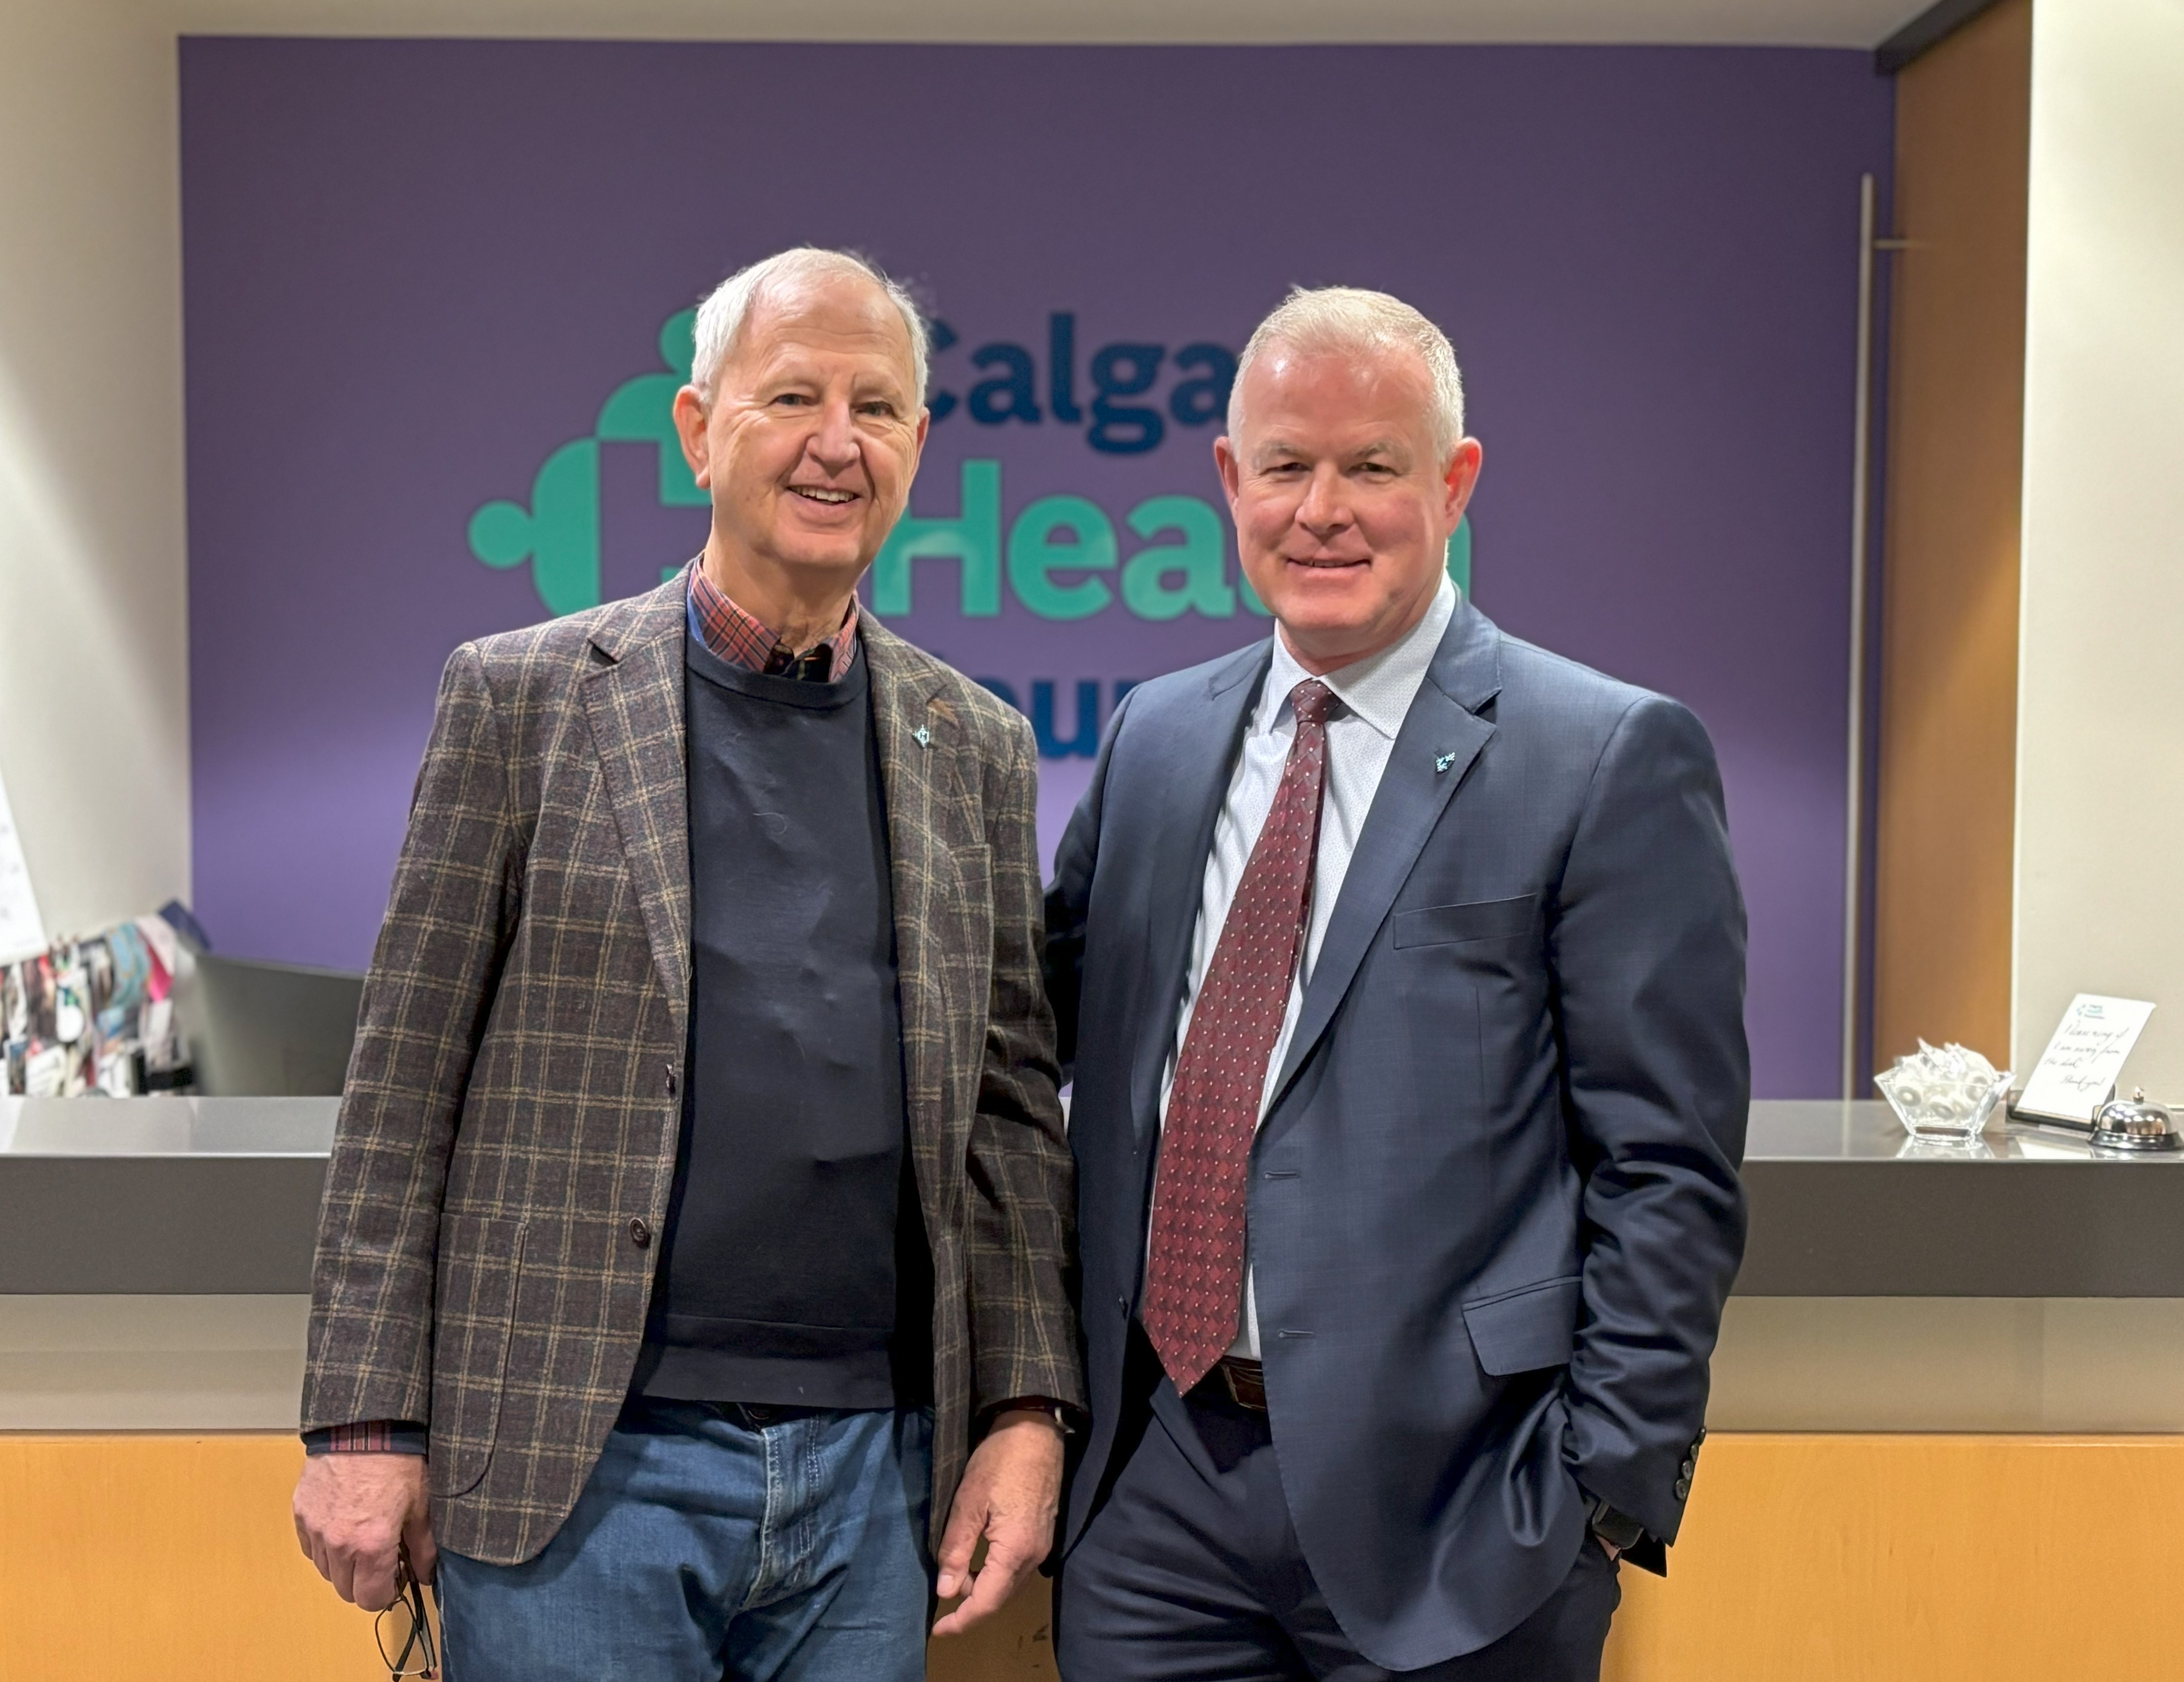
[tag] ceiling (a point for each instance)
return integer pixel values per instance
(1783, 23)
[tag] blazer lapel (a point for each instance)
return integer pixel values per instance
(634, 701)
(1191, 768)
(1440, 736)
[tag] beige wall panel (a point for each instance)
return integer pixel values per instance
(151, 1363)
(1949, 575)
(2100, 821)
(1936, 1363)
(94, 695)
(1897, 1363)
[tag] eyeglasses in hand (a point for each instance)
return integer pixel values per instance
(405, 1633)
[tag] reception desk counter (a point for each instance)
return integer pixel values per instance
(185, 1196)
(1948, 1402)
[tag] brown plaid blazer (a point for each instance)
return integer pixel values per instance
(511, 1111)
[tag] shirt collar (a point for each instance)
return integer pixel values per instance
(1379, 688)
(737, 637)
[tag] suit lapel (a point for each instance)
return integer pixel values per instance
(634, 701)
(1190, 767)
(1441, 735)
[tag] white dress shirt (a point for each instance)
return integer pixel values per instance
(1376, 693)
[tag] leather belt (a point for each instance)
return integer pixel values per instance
(1247, 1382)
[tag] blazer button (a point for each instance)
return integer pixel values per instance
(640, 1233)
(1683, 1489)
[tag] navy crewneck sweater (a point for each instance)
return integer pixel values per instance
(794, 1268)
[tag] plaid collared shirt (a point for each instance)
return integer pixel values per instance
(739, 639)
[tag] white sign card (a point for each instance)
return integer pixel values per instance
(22, 930)
(2083, 1062)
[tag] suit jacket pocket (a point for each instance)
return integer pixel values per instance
(1480, 920)
(1523, 1330)
(480, 1260)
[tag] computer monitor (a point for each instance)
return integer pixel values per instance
(263, 1030)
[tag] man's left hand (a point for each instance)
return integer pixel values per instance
(1006, 1499)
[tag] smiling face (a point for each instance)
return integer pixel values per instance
(808, 444)
(1343, 504)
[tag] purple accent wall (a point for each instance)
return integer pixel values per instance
(413, 270)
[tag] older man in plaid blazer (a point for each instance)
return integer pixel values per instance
(712, 964)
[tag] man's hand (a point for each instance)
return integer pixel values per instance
(1007, 1498)
(354, 1512)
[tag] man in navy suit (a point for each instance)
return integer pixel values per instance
(1401, 968)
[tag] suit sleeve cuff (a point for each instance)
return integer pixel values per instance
(373, 1436)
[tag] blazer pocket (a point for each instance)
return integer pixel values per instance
(1523, 1330)
(974, 872)
(1478, 919)
(971, 902)
(962, 948)
(481, 1262)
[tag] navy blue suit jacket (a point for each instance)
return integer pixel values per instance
(1494, 1204)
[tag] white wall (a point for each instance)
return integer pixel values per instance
(2100, 821)
(94, 718)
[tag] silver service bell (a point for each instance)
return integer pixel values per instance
(2134, 1124)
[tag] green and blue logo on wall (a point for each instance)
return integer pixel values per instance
(1052, 557)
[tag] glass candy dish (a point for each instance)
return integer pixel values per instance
(1948, 1092)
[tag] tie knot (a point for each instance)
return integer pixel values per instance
(1312, 701)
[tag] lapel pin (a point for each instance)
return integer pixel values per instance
(1443, 763)
(921, 736)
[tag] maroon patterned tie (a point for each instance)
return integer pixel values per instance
(1195, 1265)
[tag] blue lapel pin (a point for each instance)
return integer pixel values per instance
(921, 736)
(1443, 763)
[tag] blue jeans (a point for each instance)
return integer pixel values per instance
(703, 1548)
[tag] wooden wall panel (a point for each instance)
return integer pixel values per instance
(132, 1558)
(1917, 1559)
(1806, 1558)
(1949, 570)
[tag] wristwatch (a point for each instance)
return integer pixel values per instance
(1618, 1528)
(1036, 1404)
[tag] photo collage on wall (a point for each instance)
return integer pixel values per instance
(95, 1016)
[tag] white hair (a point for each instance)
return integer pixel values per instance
(722, 316)
(1353, 322)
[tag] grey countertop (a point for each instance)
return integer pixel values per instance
(220, 1196)
(167, 1126)
(156, 1196)
(1843, 1204)
(1800, 1130)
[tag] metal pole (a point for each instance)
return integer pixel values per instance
(1854, 801)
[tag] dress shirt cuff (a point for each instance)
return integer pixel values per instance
(373, 1436)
